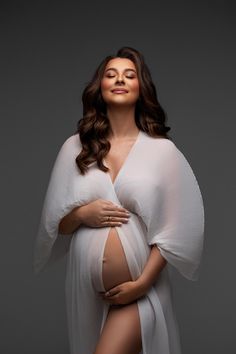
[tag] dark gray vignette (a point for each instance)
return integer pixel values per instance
(49, 51)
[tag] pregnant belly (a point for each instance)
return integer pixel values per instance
(115, 268)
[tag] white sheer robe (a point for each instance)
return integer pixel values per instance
(157, 185)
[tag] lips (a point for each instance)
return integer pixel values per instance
(121, 90)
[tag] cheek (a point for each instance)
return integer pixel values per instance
(135, 86)
(105, 84)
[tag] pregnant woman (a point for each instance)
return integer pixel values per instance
(124, 204)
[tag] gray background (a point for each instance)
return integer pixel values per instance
(49, 50)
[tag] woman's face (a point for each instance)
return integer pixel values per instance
(120, 73)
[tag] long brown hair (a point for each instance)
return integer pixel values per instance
(94, 126)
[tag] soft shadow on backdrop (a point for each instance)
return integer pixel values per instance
(49, 52)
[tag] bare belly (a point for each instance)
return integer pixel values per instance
(115, 268)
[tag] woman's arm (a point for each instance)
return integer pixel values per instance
(129, 291)
(155, 263)
(71, 221)
(93, 214)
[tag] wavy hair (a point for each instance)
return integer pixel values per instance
(94, 126)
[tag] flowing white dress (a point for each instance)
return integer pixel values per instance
(158, 187)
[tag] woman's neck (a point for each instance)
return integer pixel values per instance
(122, 121)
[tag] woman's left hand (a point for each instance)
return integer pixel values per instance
(123, 293)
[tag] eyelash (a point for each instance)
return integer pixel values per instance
(129, 77)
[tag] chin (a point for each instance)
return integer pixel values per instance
(120, 101)
(120, 104)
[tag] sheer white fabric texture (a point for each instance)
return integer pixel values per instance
(157, 185)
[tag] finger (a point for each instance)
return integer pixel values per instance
(108, 219)
(115, 208)
(108, 203)
(115, 219)
(112, 292)
(115, 215)
(105, 297)
(118, 219)
(119, 213)
(114, 300)
(111, 223)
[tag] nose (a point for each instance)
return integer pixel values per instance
(120, 78)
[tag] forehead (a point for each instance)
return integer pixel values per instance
(120, 64)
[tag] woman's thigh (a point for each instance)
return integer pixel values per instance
(121, 332)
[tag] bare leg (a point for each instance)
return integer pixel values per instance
(121, 333)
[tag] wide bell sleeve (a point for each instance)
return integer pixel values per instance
(61, 197)
(176, 224)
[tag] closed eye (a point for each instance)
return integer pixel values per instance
(128, 77)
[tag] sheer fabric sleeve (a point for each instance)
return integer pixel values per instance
(177, 222)
(61, 197)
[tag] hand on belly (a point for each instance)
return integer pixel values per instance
(116, 275)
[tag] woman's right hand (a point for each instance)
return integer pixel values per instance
(95, 214)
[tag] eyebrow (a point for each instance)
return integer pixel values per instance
(127, 69)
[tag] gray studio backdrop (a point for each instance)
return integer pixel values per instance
(49, 50)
